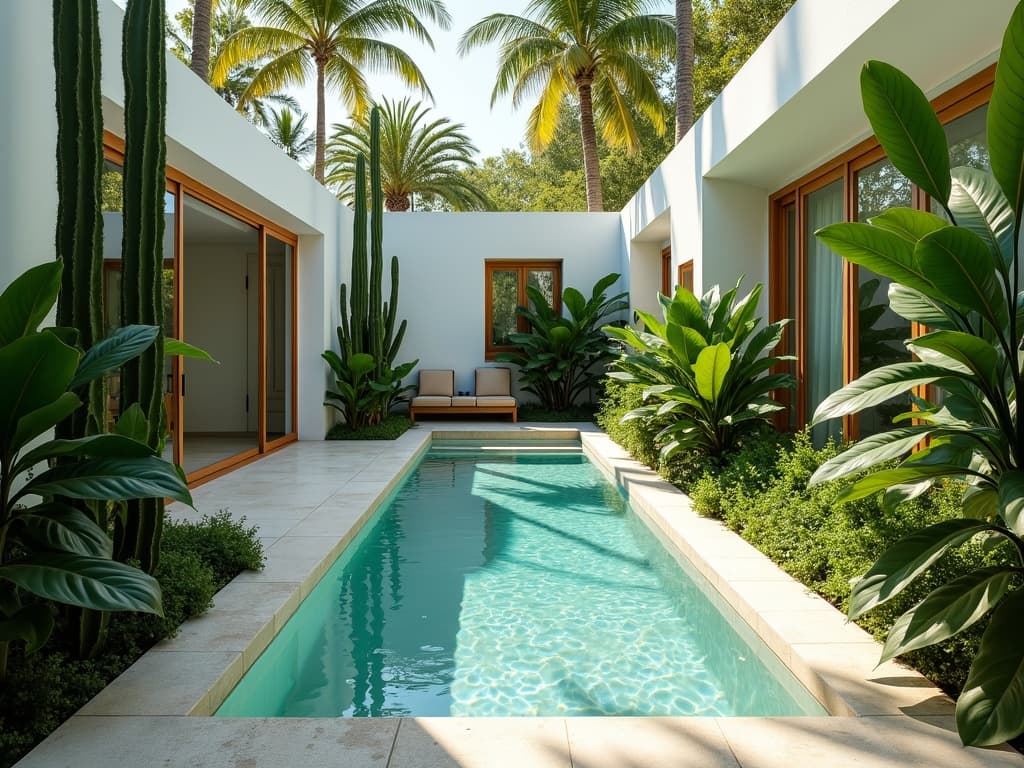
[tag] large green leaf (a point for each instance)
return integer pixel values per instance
(176, 347)
(884, 253)
(574, 302)
(879, 481)
(63, 528)
(88, 582)
(909, 223)
(972, 351)
(27, 300)
(907, 127)
(947, 610)
(918, 308)
(1011, 500)
(111, 479)
(133, 423)
(122, 345)
(990, 709)
(979, 205)
(906, 560)
(93, 446)
(1006, 115)
(33, 624)
(870, 451)
(710, 370)
(876, 387)
(961, 266)
(34, 372)
(685, 310)
(44, 418)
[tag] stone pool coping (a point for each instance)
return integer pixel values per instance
(326, 492)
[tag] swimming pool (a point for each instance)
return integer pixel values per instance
(511, 582)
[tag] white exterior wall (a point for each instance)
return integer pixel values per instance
(441, 285)
(792, 107)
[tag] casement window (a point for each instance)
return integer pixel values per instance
(666, 272)
(843, 326)
(686, 275)
(505, 285)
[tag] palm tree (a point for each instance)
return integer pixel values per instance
(336, 40)
(288, 130)
(418, 157)
(202, 12)
(590, 48)
(684, 67)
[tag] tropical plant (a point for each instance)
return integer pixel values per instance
(50, 549)
(228, 17)
(336, 39)
(591, 49)
(684, 67)
(959, 275)
(288, 131)
(367, 381)
(560, 358)
(705, 369)
(419, 156)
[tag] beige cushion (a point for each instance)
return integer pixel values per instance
(495, 400)
(437, 383)
(493, 381)
(462, 400)
(432, 401)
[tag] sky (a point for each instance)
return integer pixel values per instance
(461, 86)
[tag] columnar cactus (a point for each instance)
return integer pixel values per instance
(145, 102)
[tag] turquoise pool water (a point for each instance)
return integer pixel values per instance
(508, 583)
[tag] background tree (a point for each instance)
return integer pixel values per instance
(419, 156)
(684, 67)
(336, 40)
(288, 130)
(229, 16)
(201, 16)
(590, 49)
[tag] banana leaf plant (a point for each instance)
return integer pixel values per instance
(705, 369)
(50, 549)
(959, 275)
(560, 358)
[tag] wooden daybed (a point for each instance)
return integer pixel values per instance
(493, 394)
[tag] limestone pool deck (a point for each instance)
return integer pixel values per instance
(308, 501)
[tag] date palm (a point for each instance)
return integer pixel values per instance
(419, 155)
(591, 49)
(288, 131)
(335, 40)
(684, 67)
(202, 14)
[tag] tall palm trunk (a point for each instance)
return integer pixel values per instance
(201, 13)
(397, 202)
(321, 121)
(591, 165)
(684, 67)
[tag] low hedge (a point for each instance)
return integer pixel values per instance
(391, 427)
(45, 688)
(761, 493)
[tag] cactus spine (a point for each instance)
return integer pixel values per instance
(368, 322)
(142, 247)
(79, 237)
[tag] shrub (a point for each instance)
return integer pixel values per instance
(222, 544)
(389, 428)
(635, 435)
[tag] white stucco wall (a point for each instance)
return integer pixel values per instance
(442, 272)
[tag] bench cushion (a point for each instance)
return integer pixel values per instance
(441, 383)
(463, 401)
(493, 381)
(491, 401)
(431, 401)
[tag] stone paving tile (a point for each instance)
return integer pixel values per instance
(845, 742)
(294, 558)
(486, 742)
(194, 742)
(648, 742)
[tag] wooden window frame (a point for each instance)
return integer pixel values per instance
(686, 268)
(522, 266)
(666, 271)
(969, 95)
(180, 185)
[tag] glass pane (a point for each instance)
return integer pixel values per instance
(824, 326)
(544, 281)
(279, 338)
(504, 298)
(880, 331)
(788, 346)
(221, 316)
(968, 142)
